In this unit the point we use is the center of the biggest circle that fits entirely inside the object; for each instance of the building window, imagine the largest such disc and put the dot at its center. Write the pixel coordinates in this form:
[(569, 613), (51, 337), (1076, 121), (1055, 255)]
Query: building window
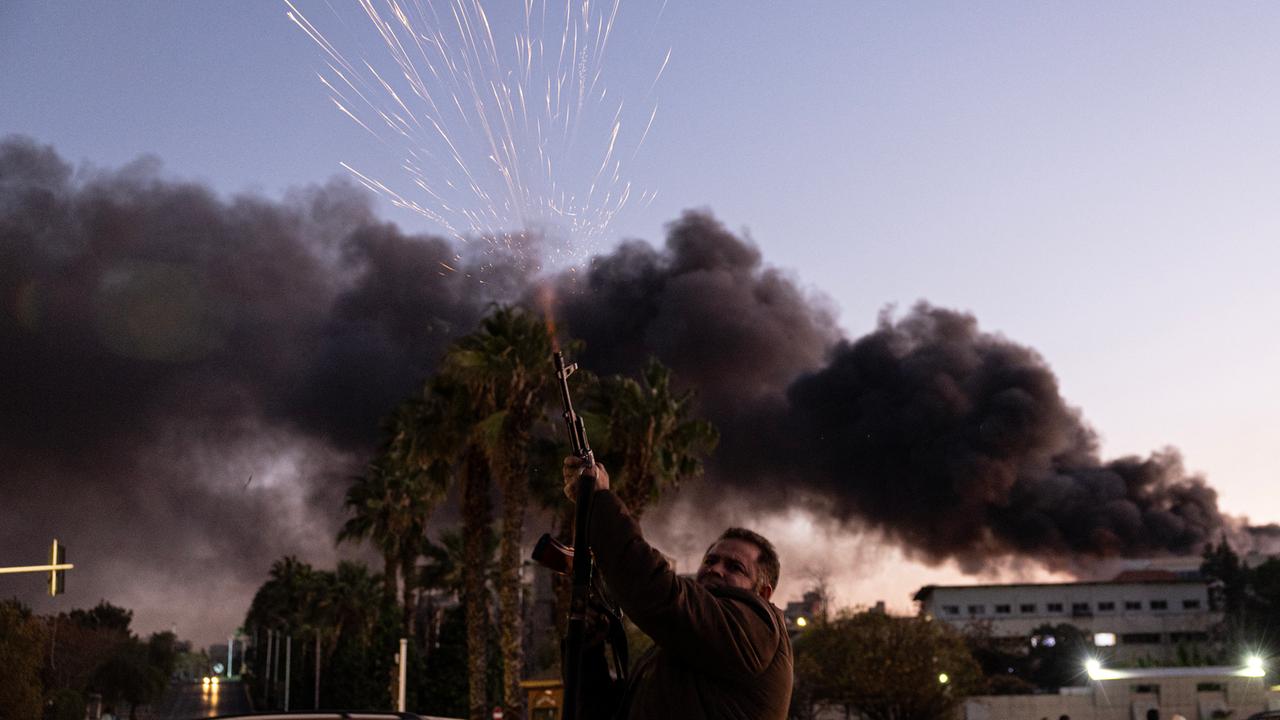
[(1159, 605), (1188, 637), (1055, 607), (1209, 687), (1003, 609), (1140, 639), (1103, 639), (1106, 606), (1132, 605), (977, 609), (950, 609), (1080, 609), (1027, 608), (1191, 604)]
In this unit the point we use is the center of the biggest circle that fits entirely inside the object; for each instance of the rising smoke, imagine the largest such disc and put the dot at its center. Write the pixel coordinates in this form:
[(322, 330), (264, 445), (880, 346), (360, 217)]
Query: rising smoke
[(191, 380), (952, 441)]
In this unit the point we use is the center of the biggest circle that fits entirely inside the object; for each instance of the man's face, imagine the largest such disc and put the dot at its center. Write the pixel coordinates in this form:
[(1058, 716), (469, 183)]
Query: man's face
[(732, 563)]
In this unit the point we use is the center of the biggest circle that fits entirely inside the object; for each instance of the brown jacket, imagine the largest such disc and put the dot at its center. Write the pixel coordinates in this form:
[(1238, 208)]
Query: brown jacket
[(719, 653)]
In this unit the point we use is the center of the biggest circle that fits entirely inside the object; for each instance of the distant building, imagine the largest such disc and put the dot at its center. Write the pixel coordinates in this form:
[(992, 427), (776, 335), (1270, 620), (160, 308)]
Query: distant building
[(800, 613), (1195, 693), (1144, 614)]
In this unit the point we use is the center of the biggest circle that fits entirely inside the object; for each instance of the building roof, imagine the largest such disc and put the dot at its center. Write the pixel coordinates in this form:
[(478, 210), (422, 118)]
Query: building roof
[(1164, 578), (1151, 575)]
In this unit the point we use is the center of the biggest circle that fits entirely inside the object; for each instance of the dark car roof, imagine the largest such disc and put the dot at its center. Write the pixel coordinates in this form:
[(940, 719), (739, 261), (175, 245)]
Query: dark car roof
[(329, 715)]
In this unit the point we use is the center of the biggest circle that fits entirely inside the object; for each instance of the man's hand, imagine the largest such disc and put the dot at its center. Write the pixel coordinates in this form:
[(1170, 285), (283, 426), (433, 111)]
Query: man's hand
[(573, 470)]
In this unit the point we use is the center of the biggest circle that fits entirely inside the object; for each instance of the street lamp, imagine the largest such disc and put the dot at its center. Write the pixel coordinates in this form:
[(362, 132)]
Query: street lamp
[(1253, 667)]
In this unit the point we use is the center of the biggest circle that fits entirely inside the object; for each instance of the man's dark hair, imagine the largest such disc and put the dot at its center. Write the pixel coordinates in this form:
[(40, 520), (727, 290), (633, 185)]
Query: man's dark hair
[(768, 561)]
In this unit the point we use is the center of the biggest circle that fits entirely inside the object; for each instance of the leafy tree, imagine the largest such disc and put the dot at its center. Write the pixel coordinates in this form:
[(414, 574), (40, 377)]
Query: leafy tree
[(129, 676), (1057, 656), (22, 644), (162, 652), (103, 616), (1222, 564), (81, 642), (64, 704), (884, 667), (1005, 668), (1266, 584)]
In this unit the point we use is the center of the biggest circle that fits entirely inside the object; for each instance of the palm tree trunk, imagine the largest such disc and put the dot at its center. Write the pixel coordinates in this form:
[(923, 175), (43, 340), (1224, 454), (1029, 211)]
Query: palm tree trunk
[(406, 572), (475, 530), (515, 495), (388, 579)]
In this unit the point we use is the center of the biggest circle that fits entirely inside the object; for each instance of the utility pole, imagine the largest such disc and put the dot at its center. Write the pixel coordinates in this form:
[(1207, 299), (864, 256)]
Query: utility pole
[(271, 640), (315, 704), (403, 657), (231, 652), (288, 667)]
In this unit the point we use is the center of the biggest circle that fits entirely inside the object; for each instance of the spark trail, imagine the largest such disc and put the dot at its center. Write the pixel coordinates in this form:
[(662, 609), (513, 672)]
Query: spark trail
[(504, 127)]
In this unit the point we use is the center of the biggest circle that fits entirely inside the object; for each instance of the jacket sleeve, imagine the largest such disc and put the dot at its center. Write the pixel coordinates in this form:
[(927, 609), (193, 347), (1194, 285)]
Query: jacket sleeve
[(725, 631)]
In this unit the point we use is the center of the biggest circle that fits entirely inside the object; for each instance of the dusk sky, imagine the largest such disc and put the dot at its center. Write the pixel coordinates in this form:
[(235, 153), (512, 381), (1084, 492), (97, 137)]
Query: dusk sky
[(1099, 182)]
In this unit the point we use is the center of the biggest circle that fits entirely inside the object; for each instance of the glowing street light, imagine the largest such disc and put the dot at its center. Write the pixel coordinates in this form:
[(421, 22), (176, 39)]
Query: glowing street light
[(943, 678), (1253, 667), (1093, 668), (801, 621)]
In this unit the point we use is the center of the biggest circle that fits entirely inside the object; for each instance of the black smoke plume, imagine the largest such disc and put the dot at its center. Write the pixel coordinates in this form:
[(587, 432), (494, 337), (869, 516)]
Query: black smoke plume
[(189, 381), (953, 442), (957, 443)]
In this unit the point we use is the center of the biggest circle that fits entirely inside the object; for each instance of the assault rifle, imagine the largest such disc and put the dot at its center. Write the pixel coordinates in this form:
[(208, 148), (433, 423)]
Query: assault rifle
[(563, 559)]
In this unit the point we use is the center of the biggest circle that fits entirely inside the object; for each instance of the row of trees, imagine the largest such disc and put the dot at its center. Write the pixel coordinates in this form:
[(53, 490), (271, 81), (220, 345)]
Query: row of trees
[(485, 425), (1250, 600), (52, 664)]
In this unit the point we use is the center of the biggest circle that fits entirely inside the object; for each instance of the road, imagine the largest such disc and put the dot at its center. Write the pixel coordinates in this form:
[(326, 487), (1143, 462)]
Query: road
[(190, 700)]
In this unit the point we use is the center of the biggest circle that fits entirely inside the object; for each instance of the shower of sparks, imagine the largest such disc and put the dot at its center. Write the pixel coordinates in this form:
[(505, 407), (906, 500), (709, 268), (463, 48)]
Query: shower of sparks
[(500, 139)]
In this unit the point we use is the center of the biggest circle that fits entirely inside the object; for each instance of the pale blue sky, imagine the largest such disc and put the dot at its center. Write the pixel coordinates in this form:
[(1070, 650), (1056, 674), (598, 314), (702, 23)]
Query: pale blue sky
[(1100, 181)]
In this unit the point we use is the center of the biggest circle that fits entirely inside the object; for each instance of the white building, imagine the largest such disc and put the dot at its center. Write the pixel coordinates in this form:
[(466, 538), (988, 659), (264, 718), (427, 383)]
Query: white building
[(1205, 693), (1141, 615)]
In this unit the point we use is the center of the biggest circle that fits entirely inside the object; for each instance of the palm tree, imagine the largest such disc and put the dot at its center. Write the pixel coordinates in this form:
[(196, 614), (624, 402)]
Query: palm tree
[(351, 601), (652, 444), (442, 576), (291, 601), (390, 506), (440, 434), (425, 472), (507, 362), (373, 503)]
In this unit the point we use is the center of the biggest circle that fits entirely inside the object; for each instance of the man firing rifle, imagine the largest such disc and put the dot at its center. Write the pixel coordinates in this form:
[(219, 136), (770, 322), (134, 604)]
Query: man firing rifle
[(720, 650)]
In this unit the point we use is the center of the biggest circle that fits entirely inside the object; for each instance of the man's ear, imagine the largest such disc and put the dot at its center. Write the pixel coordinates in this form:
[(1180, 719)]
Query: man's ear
[(766, 591)]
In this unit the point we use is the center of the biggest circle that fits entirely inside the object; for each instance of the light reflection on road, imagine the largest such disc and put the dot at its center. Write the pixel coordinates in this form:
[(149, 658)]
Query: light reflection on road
[(192, 700)]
